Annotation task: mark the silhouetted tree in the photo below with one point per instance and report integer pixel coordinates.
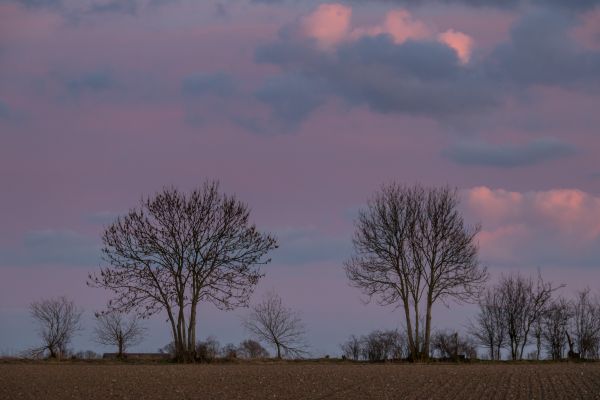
(412, 248)
(523, 303)
(252, 349)
(58, 320)
(586, 324)
(383, 345)
(351, 348)
(272, 322)
(114, 329)
(554, 325)
(489, 328)
(178, 249)
(451, 345)
(208, 350)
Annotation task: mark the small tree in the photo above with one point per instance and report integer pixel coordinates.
(58, 320)
(586, 324)
(555, 323)
(489, 328)
(451, 345)
(351, 348)
(523, 303)
(113, 329)
(252, 349)
(208, 350)
(270, 321)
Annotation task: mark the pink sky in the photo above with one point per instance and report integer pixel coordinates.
(302, 109)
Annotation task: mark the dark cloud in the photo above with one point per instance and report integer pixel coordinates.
(53, 247)
(101, 217)
(115, 6)
(95, 81)
(541, 51)
(5, 111)
(305, 246)
(502, 4)
(415, 77)
(291, 97)
(201, 84)
(425, 77)
(509, 156)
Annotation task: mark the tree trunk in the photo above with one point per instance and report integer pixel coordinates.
(427, 326)
(192, 331)
(409, 333)
(278, 350)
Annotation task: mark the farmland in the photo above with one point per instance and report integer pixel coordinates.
(304, 380)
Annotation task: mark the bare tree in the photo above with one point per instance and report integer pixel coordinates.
(489, 328)
(555, 323)
(523, 303)
(177, 250)
(383, 345)
(586, 324)
(252, 349)
(272, 322)
(58, 320)
(208, 350)
(451, 345)
(412, 248)
(351, 348)
(114, 329)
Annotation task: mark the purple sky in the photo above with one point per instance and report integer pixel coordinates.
(302, 109)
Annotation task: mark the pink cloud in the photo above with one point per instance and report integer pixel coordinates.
(555, 224)
(588, 32)
(400, 25)
(461, 43)
(329, 24)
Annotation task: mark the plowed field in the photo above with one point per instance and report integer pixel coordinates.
(300, 381)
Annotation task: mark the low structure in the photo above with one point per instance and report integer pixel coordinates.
(137, 356)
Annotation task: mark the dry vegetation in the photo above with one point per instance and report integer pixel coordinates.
(303, 380)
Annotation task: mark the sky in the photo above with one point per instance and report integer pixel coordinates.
(303, 109)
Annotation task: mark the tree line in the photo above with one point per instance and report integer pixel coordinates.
(411, 250)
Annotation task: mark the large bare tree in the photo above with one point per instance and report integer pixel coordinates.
(58, 320)
(177, 250)
(272, 322)
(115, 329)
(412, 249)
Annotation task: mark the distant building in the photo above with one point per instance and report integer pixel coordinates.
(137, 356)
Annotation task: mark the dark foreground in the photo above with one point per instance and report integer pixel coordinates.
(300, 381)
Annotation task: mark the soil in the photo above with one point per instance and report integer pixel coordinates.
(299, 381)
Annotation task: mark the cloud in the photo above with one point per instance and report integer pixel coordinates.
(509, 156)
(460, 42)
(414, 77)
(542, 51)
(202, 84)
(5, 111)
(559, 227)
(291, 97)
(504, 4)
(43, 247)
(329, 24)
(91, 82)
(308, 245)
(115, 6)
(101, 217)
